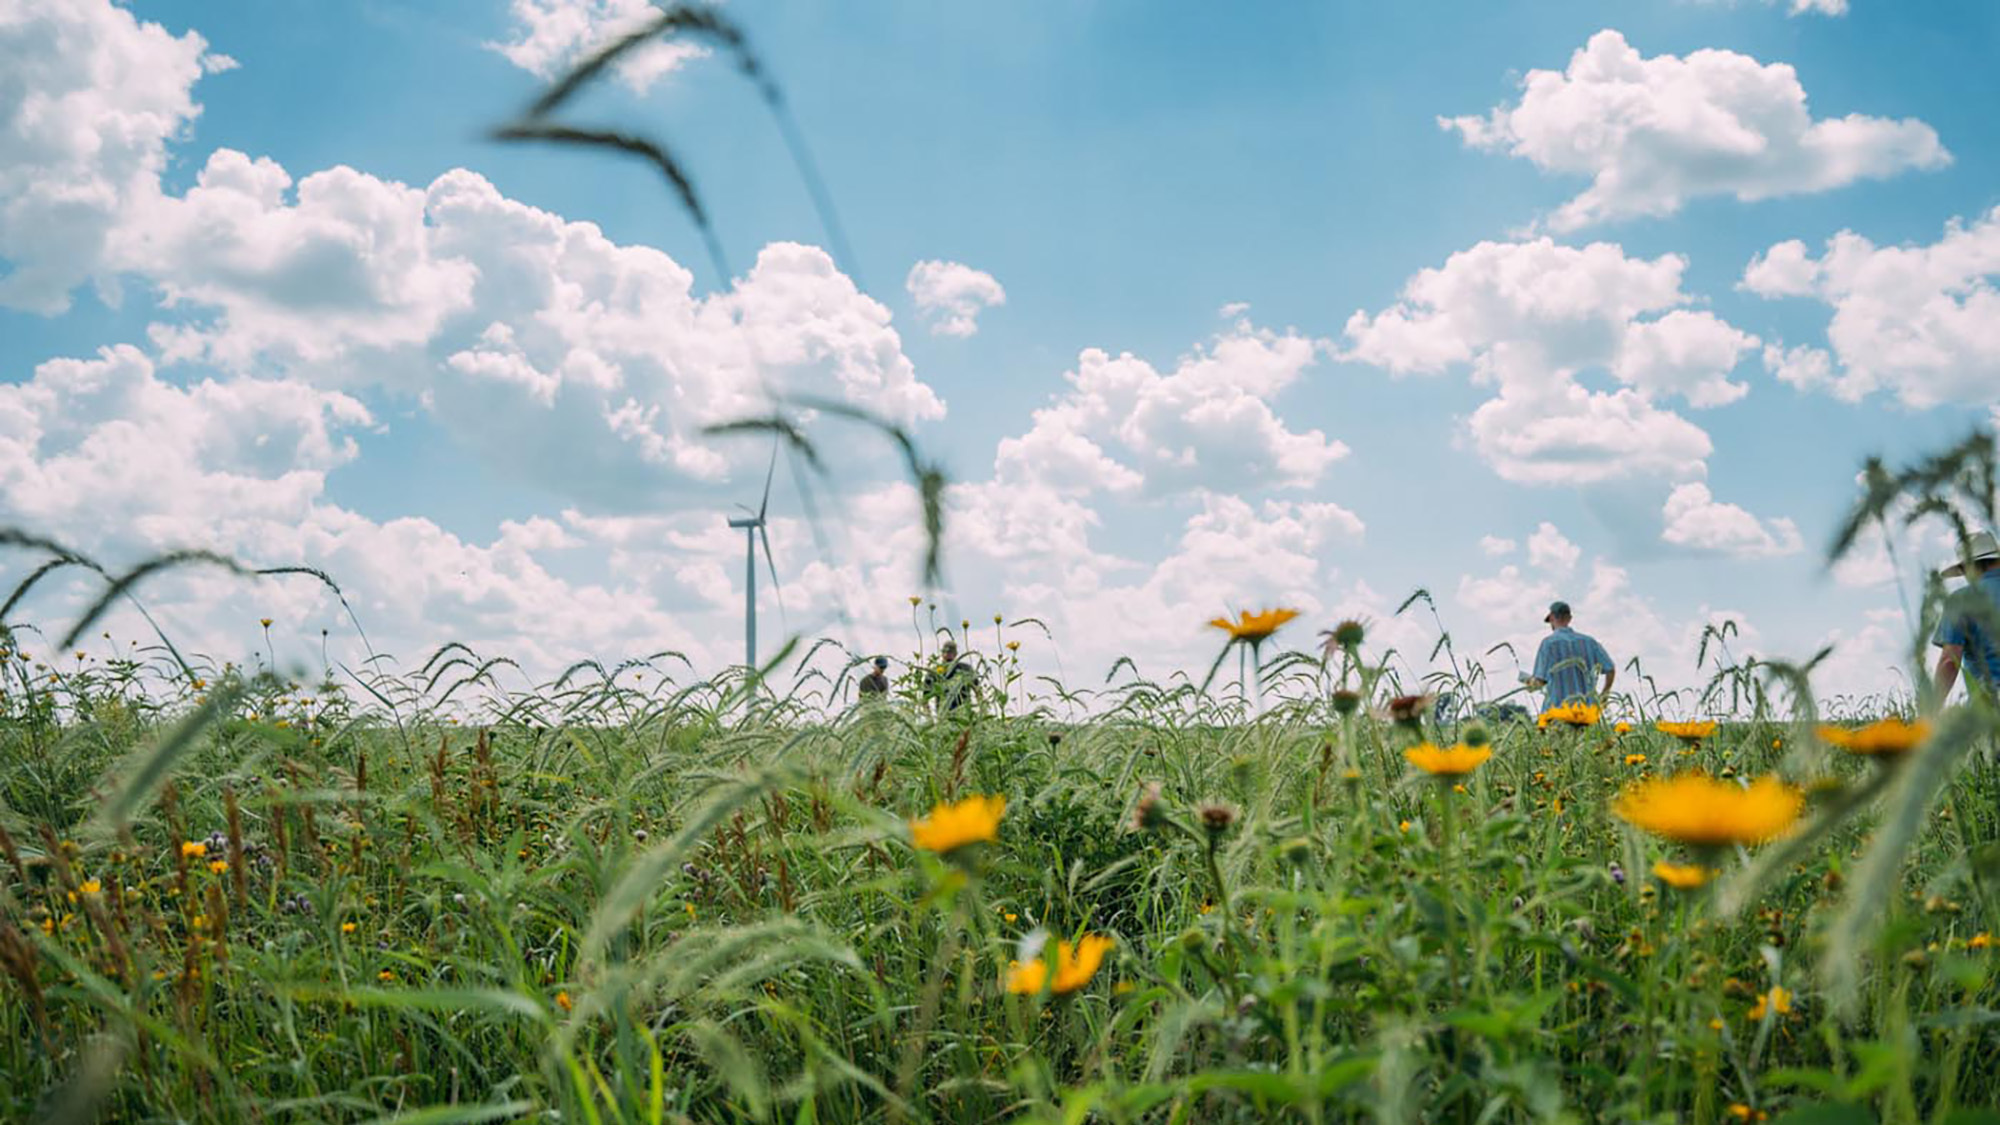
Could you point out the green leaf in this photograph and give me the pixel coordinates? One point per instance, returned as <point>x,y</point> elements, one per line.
<point>448,1000</point>
<point>143,777</point>
<point>644,877</point>
<point>1960,1017</point>
<point>1804,1078</point>
<point>1335,1077</point>
<point>458,1114</point>
<point>1919,777</point>
<point>1829,1113</point>
<point>1258,1083</point>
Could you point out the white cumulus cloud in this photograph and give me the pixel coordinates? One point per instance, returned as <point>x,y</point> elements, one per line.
<point>1919,322</point>
<point>550,36</point>
<point>952,295</point>
<point>89,99</point>
<point>591,365</point>
<point>1695,519</point>
<point>1654,133</point>
<point>1123,426</point>
<point>1528,318</point>
<point>1550,550</point>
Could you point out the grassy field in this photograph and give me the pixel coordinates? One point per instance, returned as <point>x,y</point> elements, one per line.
<point>625,899</point>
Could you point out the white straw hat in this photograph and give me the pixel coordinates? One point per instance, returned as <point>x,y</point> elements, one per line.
<point>1979,546</point>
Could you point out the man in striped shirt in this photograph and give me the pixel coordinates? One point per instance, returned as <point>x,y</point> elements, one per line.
<point>1569,662</point>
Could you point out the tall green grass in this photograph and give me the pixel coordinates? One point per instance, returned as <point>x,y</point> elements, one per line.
<point>619,896</point>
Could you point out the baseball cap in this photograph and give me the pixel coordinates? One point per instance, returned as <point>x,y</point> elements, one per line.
<point>881,662</point>
<point>1556,609</point>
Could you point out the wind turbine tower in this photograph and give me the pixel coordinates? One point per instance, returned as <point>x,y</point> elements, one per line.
<point>753,531</point>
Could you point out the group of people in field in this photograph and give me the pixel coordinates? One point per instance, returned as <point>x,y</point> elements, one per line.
<point>1573,667</point>
<point>1568,663</point>
<point>952,683</point>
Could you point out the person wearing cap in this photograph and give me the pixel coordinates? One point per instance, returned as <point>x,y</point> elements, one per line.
<point>875,685</point>
<point>1568,662</point>
<point>954,682</point>
<point>1965,637</point>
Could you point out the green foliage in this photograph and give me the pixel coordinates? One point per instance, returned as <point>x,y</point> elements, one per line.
<point>634,907</point>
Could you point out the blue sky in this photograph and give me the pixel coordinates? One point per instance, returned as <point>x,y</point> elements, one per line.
<point>1124,171</point>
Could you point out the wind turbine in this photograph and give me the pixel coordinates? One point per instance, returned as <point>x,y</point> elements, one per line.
<point>754,530</point>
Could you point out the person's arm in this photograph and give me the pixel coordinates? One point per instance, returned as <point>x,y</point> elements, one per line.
<point>1539,678</point>
<point>1949,658</point>
<point>1610,673</point>
<point>1950,640</point>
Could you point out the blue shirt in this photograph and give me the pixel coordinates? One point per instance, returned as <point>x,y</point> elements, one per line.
<point>1570,662</point>
<point>1982,649</point>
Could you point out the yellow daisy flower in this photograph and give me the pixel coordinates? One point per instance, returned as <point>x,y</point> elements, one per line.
<point>1075,965</point>
<point>1687,732</point>
<point>1254,627</point>
<point>951,827</point>
<point>1682,876</point>
<point>1889,738</point>
<point>1575,714</point>
<point>1456,761</point>
<point>1696,809</point>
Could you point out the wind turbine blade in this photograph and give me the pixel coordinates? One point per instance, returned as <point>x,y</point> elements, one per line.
<point>769,472</point>
<point>777,588</point>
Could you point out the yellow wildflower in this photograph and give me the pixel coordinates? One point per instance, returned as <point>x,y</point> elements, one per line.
<point>563,1001</point>
<point>348,927</point>
<point>1889,738</point>
<point>1457,761</point>
<point>1575,714</point>
<point>1075,965</point>
<point>91,887</point>
<point>217,866</point>
<point>1693,808</point>
<point>1254,627</point>
<point>194,849</point>
<point>1635,759</point>
<point>1687,732</point>
<point>951,827</point>
<point>385,976</point>
<point>1777,1000</point>
<point>1980,940</point>
<point>1682,876</point>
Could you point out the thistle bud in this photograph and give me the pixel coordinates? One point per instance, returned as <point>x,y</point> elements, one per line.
<point>1149,814</point>
<point>1408,709</point>
<point>1217,817</point>
<point>1346,702</point>
<point>1349,634</point>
